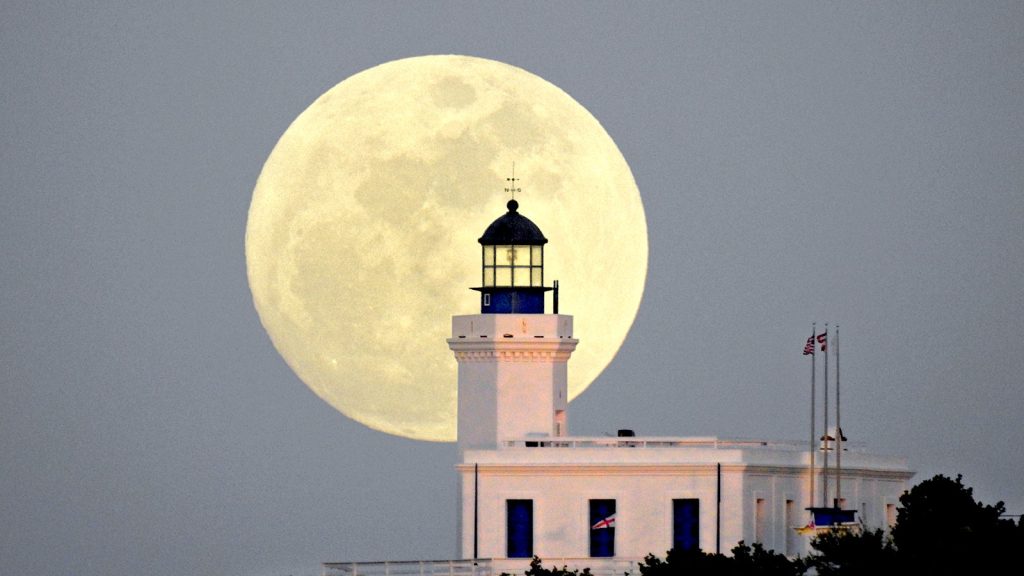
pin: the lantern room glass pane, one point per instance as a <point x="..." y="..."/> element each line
<point x="488" y="255"/>
<point x="537" y="278"/>
<point x="503" y="277"/>
<point x="506" y="255"/>
<point x="537" y="255"/>
<point x="488" y="276"/>
<point x="521" y="276"/>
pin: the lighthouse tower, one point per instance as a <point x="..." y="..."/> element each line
<point x="512" y="356"/>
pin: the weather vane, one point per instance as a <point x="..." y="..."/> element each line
<point x="512" y="182"/>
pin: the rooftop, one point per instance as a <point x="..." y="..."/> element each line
<point x="638" y="451"/>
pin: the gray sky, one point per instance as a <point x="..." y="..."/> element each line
<point x="850" y="163"/>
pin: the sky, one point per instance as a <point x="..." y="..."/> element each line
<point x="853" y="163"/>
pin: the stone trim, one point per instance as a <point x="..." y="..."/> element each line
<point x="513" y="355"/>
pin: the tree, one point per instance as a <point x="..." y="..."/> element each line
<point x="745" y="561"/>
<point x="941" y="529"/>
<point x="756" y="561"/>
<point x="867" y="552"/>
<point x="685" y="562"/>
<point x="536" y="569"/>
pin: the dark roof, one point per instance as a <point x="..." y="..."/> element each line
<point x="513" y="228"/>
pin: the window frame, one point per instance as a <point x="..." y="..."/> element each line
<point x="602" y="540"/>
<point x="519" y="545"/>
<point x="530" y="275"/>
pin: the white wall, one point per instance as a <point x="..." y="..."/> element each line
<point x="512" y="375"/>
<point x="644" y="494"/>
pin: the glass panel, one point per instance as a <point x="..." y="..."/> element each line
<point x="602" y="528"/>
<point x="519" y="528"/>
<point x="537" y="255"/>
<point x="488" y="276"/>
<point x="521" y="276"/>
<point x="508" y="255"/>
<point x="538" y="276"/>
<point x="488" y="255"/>
<point x="503" y="277"/>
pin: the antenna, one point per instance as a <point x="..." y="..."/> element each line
<point x="512" y="182"/>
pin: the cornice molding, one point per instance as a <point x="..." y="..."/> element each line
<point x="511" y="351"/>
<point x="649" y="469"/>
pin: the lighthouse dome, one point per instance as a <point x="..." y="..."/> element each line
<point x="513" y="228"/>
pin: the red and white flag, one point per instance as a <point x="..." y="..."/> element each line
<point x="809" y="347"/>
<point x="823" y="340"/>
<point x="608" y="522"/>
<point x="810" y="528"/>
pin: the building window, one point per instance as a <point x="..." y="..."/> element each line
<point x="602" y="528"/>
<point x="760" y="520"/>
<point x="519" y="528"/>
<point x="890" y="515"/>
<point x="791" y="525"/>
<point x="686" y="524"/>
<point x="487" y="299"/>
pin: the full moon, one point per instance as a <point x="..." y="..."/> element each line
<point x="361" y="241"/>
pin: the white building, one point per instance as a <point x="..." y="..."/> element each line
<point x="529" y="488"/>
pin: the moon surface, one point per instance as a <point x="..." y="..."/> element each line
<point x="361" y="241"/>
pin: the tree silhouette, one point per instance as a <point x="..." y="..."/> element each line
<point x="536" y="569"/>
<point x="941" y="529"/>
<point x="853" y="553"/>
<point x="745" y="561"/>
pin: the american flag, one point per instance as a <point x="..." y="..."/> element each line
<point x="809" y="347"/>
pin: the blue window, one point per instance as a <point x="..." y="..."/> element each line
<point x="519" y="528"/>
<point x="602" y="528"/>
<point x="686" y="524"/>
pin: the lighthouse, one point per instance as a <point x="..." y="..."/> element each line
<point x="512" y="379"/>
<point x="527" y="488"/>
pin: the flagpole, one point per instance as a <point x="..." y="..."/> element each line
<point x="824" y="472"/>
<point x="814" y="332"/>
<point x="839" y="431"/>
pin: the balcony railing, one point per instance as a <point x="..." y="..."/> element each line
<point x="410" y="568"/>
<point x="480" y="567"/>
<point x="663" y="442"/>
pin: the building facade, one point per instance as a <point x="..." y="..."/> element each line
<point x="548" y="497"/>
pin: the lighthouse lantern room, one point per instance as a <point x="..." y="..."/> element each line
<point x="513" y="265"/>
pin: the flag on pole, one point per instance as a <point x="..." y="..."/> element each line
<point x="606" y="522"/>
<point x="810" y="528"/>
<point x="809" y="347"/>
<point x="823" y="340"/>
